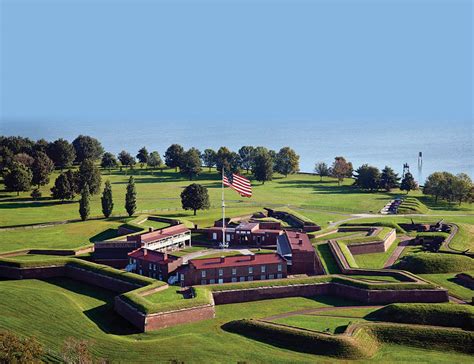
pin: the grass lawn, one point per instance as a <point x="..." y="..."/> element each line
<point x="339" y="235"/>
<point x="334" y="325"/>
<point x="65" y="236"/>
<point x="154" y="224"/>
<point x="389" y="279"/>
<point x="329" y="263"/>
<point x="186" y="251"/>
<point x="375" y="260"/>
<point x="167" y="295"/>
<point x="57" y="309"/>
<point x="448" y="281"/>
<point x="464" y="239"/>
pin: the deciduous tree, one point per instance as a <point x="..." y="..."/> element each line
<point x="367" y="177"/>
<point x="42" y="167"/>
<point x="18" y="178"/>
<point x="341" y="169"/>
<point x="263" y="166"/>
<point x="87" y="147"/>
<point x="321" y="169"/>
<point x="62" y="153"/>
<point x="143" y="156"/>
<point x="195" y="197"/>
<point x="88" y="174"/>
<point x="209" y="158"/>
<point x="174" y="156"/>
<point x="191" y="163"/>
<point x="287" y="161"/>
<point x="15" y="349"/>
<point x="64" y="186"/>
<point x="154" y="160"/>
<point x="126" y="159"/>
<point x="25" y="159"/>
<point x="246" y="154"/>
<point x="108" y="161"/>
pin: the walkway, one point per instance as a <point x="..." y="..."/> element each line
<point x="397" y="252"/>
<point x="314" y="311"/>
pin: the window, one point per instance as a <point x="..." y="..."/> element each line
<point x="250" y="270"/>
<point x="242" y="279"/>
<point x="271" y="276"/>
<point x="212" y="281"/>
<point x="263" y="238"/>
<point x="234" y="279"/>
<point x="221" y="272"/>
<point x="279" y="275"/>
<point x="263" y="268"/>
<point x="150" y="266"/>
<point x="203" y="274"/>
<point x="220" y="281"/>
<point x="262" y="277"/>
<point x="279" y="267"/>
<point x="234" y="271"/>
<point x="203" y="281"/>
<point x="250" y="278"/>
<point x="214" y="236"/>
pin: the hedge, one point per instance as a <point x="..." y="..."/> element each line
<point x="436" y="314"/>
<point x="306" y="341"/>
<point x="435" y="263"/>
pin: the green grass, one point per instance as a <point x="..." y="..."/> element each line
<point x="334" y="325"/>
<point x="220" y="254"/>
<point x="338" y="235"/>
<point x="327" y="258"/>
<point x="411" y="205"/>
<point x="464" y="239"/>
<point x="186" y="251"/>
<point x="435" y="263"/>
<point x="375" y="278"/>
<point x="154" y="224"/>
<point x="449" y="281"/>
<point x="65" y="236"/>
<point x="375" y="260"/>
<point x="380" y="235"/>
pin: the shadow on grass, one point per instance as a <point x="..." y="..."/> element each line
<point x="103" y="316"/>
<point x="104" y="235"/>
<point x="441" y="205"/>
<point x="15" y="205"/>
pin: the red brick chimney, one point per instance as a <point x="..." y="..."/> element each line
<point x="300" y="242"/>
<point x="165" y="256"/>
<point x="144" y="252"/>
<point x="252" y="257"/>
<point x="150" y="229"/>
<point x="297" y="235"/>
<point x="222" y="260"/>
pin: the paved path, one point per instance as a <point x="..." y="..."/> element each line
<point x="397" y="252"/>
<point x="314" y="311"/>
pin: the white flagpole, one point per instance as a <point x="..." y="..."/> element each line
<point x="223" y="211"/>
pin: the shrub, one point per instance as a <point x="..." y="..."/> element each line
<point x="437" y="314"/>
<point x="435" y="263"/>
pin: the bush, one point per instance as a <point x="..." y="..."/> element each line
<point x="436" y="314"/>
<point x="420" y="263"/>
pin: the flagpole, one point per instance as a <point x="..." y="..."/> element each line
<point x="223" y="211"/>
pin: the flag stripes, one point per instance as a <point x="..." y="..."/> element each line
<point x="238" y="183"/>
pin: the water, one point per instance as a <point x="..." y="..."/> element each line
<point x="445" y="146"/>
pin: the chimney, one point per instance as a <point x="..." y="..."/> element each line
<point x="300" y="242"/>
<point x="165" y="256"/>
<point x="145" y="252"/>
<point x="297" y="235"/>
<point x="222" y="259"/>
<point x="150" y="229"/>
<point x="252" y="257"/>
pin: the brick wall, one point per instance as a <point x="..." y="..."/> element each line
<point x="172" y="318"/>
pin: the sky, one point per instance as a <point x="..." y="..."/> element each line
<point x="218" y="62"/>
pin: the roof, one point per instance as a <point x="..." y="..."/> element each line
<point x="236" y="261"/>
<point x="164" y="233"/>
<point x="152" y="256"/>
<point x="299" y="241"/>
<point x="247" y="226"/>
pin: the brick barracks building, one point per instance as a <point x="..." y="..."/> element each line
<point x="247" y="233"/>
<point x="152" y="263"/>
<point x="240" y="268"/>
<point x="297" y="249"/>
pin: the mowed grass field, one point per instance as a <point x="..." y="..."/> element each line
<point x="56" y="309"/>
<point x="160" y="191"/>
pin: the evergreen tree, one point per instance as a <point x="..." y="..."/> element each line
<point x="263" y="166"/>
<point x="389" y="179"/>
<point x="191" y="163"/>
<point x="143" y="156"/>
<point x="131" y="197"/>
<point x="408" y="183"/>
<point x="287" y="161"/>
<point x="84" y="203"/>
<point x="87" y="147"/>
<point x="106" y="199"/>
<point x="367" y="177"/>
<point x="108" y="161"/>
<point x="64" y="188"/>
<point x="89" y="174"/>
<point x="62" y="153"/>
<point x="322" y="170"/>
<point x="126" y="159"/>
<point x="195" y="197"/>
<point x="173" y="156"/>
<point x="154" y="160"/>
<point x="209" y="158"/>
<point x="18" y="178"/>
<point x="41" y="168"/>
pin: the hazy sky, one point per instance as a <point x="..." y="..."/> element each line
<point x="255" y="61"/>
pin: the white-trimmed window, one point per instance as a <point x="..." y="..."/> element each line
<point x="250" y="270"/>
<point x="250" y="278"/>
<point x="212" y="281"/>
<point x="263" y="276"/>
<point x="203" y="281"/>
<point x="263" y="268"/>
<point x="279" y="275"/>
<point x="234" y="271"/>
<point x="234" y="279"/>
<point x="221" y="272"/>
<point x="271" y="276"/>
<point x="280" y="267"/>
<point x="242" y="279"/>
<point x="203" y="274"/>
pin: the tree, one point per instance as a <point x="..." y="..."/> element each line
<point x="367" y="177"/>
<point x="41" y="145"/>
<point x="75" y="351"/>
<point x="287" y="161"/>
<point x="84" y="203"/>
<point x="36" y="194"/>
<point x="389" y="179"/>
<point x="246" y="154"/>
<point x="322" y="169"/>
<point x="263" y="166"/>
<point x="62" y="153"/>
<point x="437" y="184"/>
<point x="143" y="156"/>
<point x="173" y="156"/>
<point x="15" y="349"/>
<point x="87" y="147"/>
<point x="131" y="197"/>
<point x="6" y="157"/>
<point x="154" y="160"/>
<point x="191" y="163"/>
<point x="88" y="174"/>
<point x="42" y="167"/>
<point x="126" y="159"/>
<point x="462" y="188"/>
<point x="106" y="199"/>
<point x="408" y="183"/>
<point x="64" y="186"/>
<point x="25" y="159"/>
<point x="195" y="197"/>
<point x="209" y="158"/>
<point x="227" y="160"/>
<point x="108" y="161"/>
<point x="18" y="178"/>
<point x="17" y="144"/>
<point x="341" y="169"/>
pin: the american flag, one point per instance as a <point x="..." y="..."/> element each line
<point x="238" y="183"/>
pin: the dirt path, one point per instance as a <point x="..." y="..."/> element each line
<point x="314" y="311"/>
<point x="397" y="252"/>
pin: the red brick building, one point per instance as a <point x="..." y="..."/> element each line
<point x="153" y="263"/>
<point x="297" y="249"/>
<point x="247" y="233"/>
<point x="240" y="268"/>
